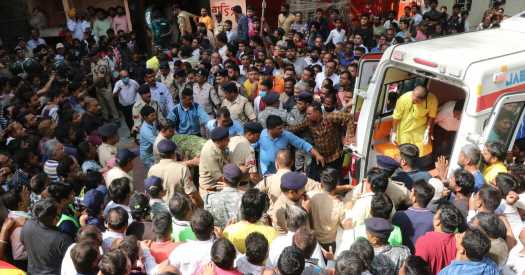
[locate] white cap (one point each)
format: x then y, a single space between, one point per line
59 45
438 188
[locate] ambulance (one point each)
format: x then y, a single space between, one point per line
483 69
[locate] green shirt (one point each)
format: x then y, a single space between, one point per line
182 231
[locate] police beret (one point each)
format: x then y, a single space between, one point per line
125 155
108 130
166 146
151 181
230 87
93 200
253 127
387 163
271 98
305 96
378 226
293 180
266 71
231 173
219 133
202 72
144 89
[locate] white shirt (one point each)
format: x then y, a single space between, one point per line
112 204
33 43
127 94
320 77
78 28
68 268
336 36
117 173
445 117
188 256
108 237
201 95
283 241
245 267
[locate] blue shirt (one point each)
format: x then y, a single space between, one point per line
148 133
188 121
162 95
269 147
234 130
479 180
485 267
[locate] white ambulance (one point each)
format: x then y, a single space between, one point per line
486 69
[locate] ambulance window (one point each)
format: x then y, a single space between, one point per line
367 72
506 122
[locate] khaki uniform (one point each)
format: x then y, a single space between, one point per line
156 154
176 177
271 185
277 213
242 153
137 118
105 153
212 160
327 214
240 109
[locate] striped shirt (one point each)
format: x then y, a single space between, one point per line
50 168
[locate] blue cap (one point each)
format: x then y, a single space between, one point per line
231 173
108 130
378 226
387 163
125 155
93 200
305 96
219 133
151 181
293 180
166 146
271 98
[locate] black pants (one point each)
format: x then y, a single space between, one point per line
127 111
314 170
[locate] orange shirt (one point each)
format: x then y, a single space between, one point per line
278 85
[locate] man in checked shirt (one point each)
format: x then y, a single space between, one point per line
326 131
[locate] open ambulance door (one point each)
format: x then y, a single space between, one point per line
367 67
505 121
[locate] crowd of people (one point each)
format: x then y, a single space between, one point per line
241 132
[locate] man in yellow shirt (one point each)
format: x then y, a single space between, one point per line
493 156
253 205
206 19
414 117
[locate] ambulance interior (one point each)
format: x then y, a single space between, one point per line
396 82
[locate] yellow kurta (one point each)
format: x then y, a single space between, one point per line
413 120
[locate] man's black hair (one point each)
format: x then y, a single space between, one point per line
476 244
415 265
465 180
409 153
113 263
423 192
490 196
506 183
377 179
349 263
253 205
273 121
139 204
202 224
491 225
180 206
187 92
46 211
223 253
162 225
381 206
119 190
291 261
305 240
256 248
59 191
130 246
84 255
117 218
329 179
451 218
12 198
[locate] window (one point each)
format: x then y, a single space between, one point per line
506 122
465 4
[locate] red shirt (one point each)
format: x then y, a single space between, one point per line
161 250
438 249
